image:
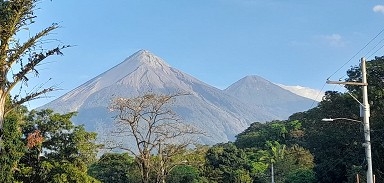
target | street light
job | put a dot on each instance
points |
(365, 115)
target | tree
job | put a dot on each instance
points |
(19, 59)
(57, 150)
(274, 143)
(115, 168)
(169, 157)
(155, 128)
(285, 132)
(183, 174)
(14, 147)
(301, 176)
(290, 161)
(227, 163)
(189, 166)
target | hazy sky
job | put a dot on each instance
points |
(292, 42)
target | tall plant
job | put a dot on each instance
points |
(19, 59)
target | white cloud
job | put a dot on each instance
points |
(304, 92)
(378, 9)
(334, 40)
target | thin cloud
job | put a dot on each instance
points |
(334, 40)
(378, 9)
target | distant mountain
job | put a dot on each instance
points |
(220, 115)
(256, 91)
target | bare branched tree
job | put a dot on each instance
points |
(19, 59)
(155, 128)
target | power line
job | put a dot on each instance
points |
(374, 48)
(356, 54)
(376, 51)
(318, 94)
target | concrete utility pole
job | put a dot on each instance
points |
(366, 114)
(272, 174)
(367, 133)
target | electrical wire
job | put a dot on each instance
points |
(318, 94)
(373, 49)
(356, 54)
(376, 51)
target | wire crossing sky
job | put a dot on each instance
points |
(292, 42)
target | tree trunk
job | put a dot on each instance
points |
(145, 169)
(161, 171)
(2, 111)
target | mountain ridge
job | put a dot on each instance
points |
(255, 90)
(218, 112)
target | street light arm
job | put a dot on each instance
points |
(327, 119)
(334, 119)
(346, 83)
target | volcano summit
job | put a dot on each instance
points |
(221, 114)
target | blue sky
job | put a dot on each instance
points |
(292, 42)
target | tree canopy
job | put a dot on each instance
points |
(52, 149)
(115, 168)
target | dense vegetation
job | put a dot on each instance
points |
(46, 147)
